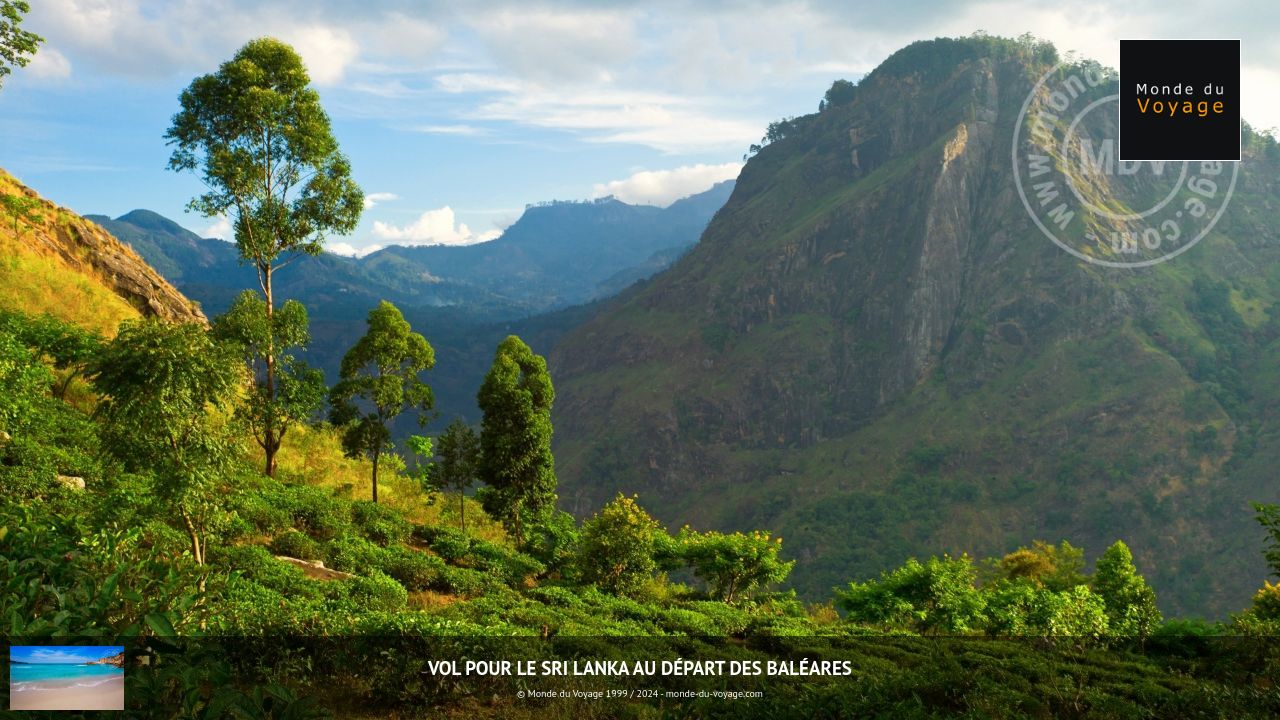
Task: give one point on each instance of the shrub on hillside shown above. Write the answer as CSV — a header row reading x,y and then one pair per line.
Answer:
x,y
315,511
380,523
448,543
377,591
415,570
354,554
296,545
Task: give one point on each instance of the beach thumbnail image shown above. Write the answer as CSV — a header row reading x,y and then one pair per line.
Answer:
x,y
66,677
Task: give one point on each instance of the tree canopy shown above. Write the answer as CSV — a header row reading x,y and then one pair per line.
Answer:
x,y
16,45
515,436
379,380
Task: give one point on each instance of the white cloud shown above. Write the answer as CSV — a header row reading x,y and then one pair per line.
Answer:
x,y
372,199
221,229
663,187
326,51
49,655
349,250
667,122
49,64
559,44
467,130
434,227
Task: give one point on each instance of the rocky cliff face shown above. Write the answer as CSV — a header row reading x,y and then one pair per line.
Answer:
x,y
83,247
874,351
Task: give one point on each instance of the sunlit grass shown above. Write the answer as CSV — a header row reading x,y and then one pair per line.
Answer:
x,y
37,283
313,455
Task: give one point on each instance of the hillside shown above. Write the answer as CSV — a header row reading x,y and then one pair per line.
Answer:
x,y
875,352
59,263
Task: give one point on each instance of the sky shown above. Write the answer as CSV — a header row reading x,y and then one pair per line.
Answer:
x,y
62,654
455,115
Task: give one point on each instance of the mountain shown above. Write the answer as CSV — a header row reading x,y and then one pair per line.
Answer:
x,y
59,263
210,271
610,244
875,351
600,240
465,300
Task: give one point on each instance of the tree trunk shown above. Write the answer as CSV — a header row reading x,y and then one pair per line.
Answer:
x,y
197,551
376,453
270,443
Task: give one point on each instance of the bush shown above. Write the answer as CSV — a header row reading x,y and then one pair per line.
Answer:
x,y
414,570
554,542
354,554
513,566
262,513
379,523
377,591
450,544
617,547
315,511
734,564
464,581
296,545
255,563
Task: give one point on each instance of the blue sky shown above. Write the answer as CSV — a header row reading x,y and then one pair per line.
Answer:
x,y
62,654
457,115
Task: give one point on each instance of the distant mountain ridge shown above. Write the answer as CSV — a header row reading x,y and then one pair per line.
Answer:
x,y
555,256
465,299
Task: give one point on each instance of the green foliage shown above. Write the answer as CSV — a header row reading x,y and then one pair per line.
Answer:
x,y
16,45
1269,518
292,392
415,570
554,541
1057,568
61,577
378,592
935,596
1266,602
297,545
22,381
1130,602
515,437
315,510
20,208
733,565
841,92
256,133
256,563
354,554
617,547
378,381
458,449
382,525
69,347
158,384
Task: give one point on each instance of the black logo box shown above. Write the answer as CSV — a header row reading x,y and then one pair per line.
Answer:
x,y
1185,65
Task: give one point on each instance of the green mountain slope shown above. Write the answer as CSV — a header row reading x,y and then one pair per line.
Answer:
x,y
874,351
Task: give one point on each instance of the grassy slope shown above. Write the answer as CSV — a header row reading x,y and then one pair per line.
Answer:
x,y
38,283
